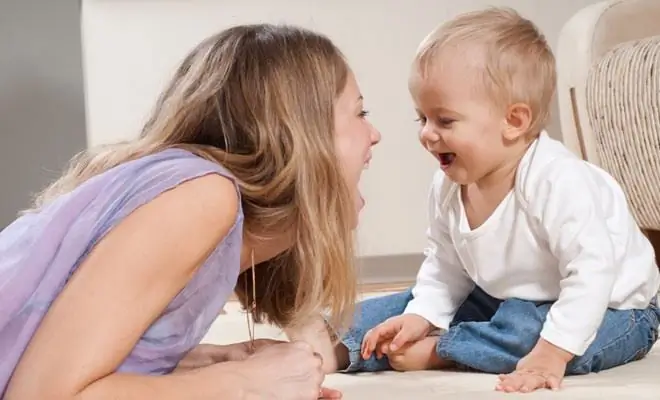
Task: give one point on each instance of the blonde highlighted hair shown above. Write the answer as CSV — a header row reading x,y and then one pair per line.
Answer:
x,y
512,55
259,99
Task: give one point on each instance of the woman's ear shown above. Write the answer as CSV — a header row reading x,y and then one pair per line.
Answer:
x,y
518,121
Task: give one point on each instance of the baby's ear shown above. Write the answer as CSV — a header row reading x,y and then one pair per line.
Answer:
x,y
518,120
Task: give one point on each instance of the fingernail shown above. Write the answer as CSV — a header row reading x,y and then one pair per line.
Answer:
x,y
393,347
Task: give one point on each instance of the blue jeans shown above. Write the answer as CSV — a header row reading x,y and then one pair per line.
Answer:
x,y
491,335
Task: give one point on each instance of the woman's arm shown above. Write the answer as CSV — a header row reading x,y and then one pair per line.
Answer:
x,y
218,381
119,291
207,354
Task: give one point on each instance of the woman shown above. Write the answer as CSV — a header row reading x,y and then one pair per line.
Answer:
x,y
247,172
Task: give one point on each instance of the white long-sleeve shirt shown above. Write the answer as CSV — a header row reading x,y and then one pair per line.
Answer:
x,y
563,234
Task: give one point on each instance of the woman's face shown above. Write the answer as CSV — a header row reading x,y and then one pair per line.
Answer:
x,y
355,136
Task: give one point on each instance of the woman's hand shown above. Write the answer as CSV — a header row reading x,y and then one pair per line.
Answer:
x,y
322,338
287,371
209,354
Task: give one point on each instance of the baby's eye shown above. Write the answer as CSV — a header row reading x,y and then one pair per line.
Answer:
x,y
446,122
363,113
421,120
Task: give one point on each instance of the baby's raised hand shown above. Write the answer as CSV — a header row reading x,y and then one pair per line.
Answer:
x,y
394,333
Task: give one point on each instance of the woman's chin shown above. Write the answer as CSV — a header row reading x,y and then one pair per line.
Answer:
x,y
359,205
359,201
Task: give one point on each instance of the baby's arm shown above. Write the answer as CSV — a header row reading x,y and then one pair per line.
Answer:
x,y
442,283
569,200
442,286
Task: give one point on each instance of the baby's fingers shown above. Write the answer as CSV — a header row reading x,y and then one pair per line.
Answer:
x,y
385,331
509,383
382,349
524,382
374,337
553,383
369,343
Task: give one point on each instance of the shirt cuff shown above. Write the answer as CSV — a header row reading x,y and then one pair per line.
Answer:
x,y
570,342
429,312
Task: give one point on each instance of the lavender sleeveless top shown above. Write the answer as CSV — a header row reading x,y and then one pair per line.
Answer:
x,y
40,251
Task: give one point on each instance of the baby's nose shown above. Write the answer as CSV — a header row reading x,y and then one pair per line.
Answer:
x,y
428,137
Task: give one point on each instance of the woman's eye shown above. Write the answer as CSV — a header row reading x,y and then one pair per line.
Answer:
x,y
421,120
364,113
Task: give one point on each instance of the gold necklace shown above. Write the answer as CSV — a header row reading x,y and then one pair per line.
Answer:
x,y
252,304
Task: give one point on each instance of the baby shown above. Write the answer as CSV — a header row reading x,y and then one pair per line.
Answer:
x,y
535,267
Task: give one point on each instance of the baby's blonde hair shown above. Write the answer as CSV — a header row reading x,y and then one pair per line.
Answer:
x,y
517,63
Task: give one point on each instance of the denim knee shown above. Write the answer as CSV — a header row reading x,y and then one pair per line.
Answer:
x,y
369,314
496,345
623,337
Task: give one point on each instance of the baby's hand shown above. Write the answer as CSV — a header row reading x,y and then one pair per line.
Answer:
x,y
543,368
394,333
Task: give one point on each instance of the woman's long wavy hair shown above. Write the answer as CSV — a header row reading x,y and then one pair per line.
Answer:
x,y
259,100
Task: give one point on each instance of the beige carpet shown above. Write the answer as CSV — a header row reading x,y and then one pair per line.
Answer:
x,y
638,380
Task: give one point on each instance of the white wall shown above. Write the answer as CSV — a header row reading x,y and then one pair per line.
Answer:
x,y
131,48
42,118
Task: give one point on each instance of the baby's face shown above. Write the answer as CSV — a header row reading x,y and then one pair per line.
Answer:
x,y
459,124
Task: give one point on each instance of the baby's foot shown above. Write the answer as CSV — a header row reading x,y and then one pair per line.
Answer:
x,y
417,356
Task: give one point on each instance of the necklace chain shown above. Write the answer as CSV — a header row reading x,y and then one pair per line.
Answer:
x,y
252,304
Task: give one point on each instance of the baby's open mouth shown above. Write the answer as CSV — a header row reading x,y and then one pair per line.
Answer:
x,y
446,159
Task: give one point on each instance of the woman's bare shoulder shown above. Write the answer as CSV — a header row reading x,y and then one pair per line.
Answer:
x,y
204,209
145,260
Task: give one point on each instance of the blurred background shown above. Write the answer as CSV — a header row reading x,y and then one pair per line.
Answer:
x,y
75,74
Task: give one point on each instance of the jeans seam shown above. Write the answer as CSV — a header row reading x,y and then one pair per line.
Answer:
x,y
635,320
656,313
354,355
643,350
656,321
611,343
443,341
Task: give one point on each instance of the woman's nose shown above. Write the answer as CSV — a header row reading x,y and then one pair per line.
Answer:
x,y
375,136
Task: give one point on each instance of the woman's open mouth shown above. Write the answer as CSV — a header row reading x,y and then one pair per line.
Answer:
x,y
361,201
